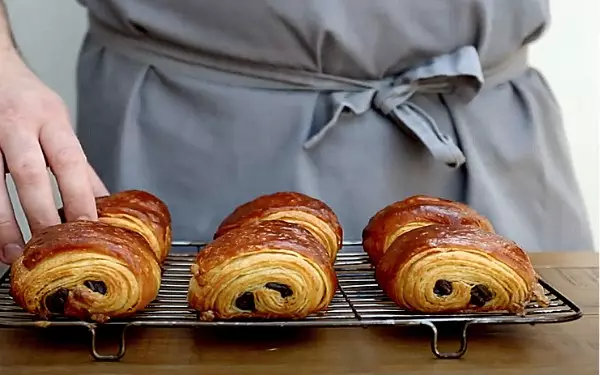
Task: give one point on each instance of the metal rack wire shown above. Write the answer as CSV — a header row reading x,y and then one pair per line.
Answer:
x,y
358,302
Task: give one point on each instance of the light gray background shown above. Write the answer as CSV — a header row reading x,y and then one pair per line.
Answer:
x,y
49,34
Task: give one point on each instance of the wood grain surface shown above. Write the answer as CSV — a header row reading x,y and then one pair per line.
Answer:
x,y
567,348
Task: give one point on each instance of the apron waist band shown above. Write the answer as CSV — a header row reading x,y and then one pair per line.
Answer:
x,y
458,73
220,70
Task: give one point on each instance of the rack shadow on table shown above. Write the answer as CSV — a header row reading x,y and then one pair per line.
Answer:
x,y
358,302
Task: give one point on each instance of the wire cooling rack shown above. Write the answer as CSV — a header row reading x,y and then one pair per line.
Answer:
x,y
358,302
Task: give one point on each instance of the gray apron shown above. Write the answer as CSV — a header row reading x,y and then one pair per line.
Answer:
x,y
209,104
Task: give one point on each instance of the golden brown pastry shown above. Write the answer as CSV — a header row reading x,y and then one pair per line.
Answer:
x,y
312,214
96,270
442,269
415,212
142,213
270,269
85,270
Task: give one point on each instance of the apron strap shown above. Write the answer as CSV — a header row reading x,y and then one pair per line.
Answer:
x,y
458,73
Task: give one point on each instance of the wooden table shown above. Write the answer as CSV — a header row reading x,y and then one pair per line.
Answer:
x,y
567,348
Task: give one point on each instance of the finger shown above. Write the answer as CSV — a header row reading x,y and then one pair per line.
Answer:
x,y
26,164
69,165
98,186
11,239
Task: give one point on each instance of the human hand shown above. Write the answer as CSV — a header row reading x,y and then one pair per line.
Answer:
x,y
35,133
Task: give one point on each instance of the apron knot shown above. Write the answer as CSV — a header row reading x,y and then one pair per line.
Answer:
x,y
458,73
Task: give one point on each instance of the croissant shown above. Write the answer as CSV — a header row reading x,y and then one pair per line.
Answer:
x,y
442,269
96,270
415,212
271,269
85,270
312,214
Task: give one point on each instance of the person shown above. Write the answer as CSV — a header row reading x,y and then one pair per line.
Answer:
x,y
210,104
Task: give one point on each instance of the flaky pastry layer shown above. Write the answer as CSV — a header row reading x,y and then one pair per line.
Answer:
x,y
442,269
271,269
292,207
415,212
141,212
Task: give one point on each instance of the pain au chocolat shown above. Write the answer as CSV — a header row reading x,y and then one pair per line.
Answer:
x,y
271,258
270,269
412,213
443,269
292,207
96,270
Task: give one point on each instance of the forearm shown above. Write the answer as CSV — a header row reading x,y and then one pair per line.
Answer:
x,y
7,43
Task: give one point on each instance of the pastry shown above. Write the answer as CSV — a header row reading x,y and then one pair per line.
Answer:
x,y
269,269
142,213
444,269
96,270
292,207
86,270
415,212
139,211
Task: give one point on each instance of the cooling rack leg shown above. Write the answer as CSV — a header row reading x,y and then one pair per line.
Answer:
x,y
448,355
111,357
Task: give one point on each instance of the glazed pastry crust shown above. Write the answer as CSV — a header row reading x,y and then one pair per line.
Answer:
x,y
292,207
65,256
248,258
465,257
142,213
415,212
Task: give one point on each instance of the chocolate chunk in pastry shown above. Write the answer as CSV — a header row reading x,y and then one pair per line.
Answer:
x,y
284,290
480,295
96,286
55,302
443,269
442,288
312,214
86,270
271,269
412,213
245,302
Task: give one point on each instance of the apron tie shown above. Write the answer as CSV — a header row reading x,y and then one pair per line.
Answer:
x,y
458,73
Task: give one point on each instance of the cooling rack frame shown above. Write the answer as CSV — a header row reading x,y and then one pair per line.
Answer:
x,y
359,302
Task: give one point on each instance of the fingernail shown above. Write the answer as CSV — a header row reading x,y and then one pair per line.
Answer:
x,y
11,252
83,218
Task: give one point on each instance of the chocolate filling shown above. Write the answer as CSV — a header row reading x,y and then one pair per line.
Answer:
x,y
442,288
246,302
96,286
283,289
480,295
55,302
